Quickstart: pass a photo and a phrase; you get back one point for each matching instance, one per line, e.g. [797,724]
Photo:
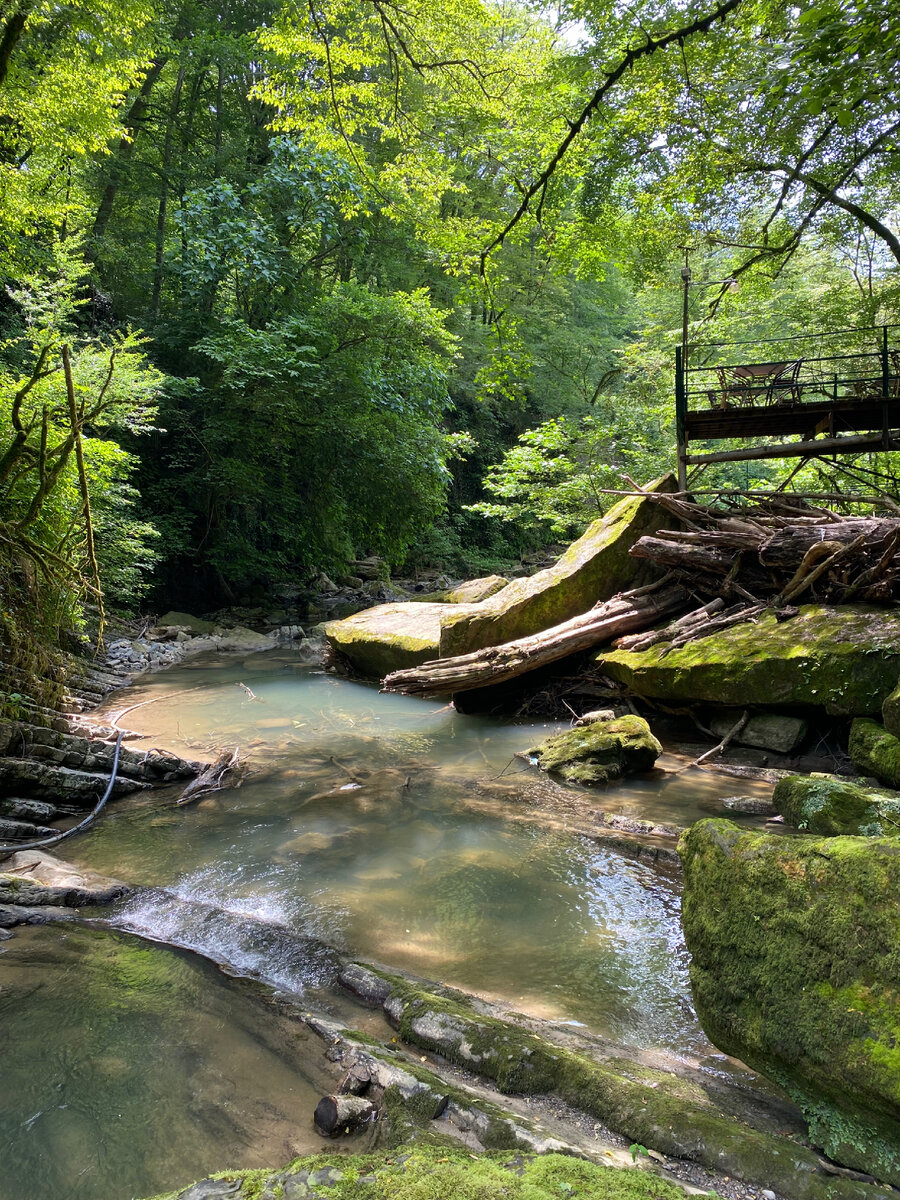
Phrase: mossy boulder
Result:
[890,712]
[795,968]
[389,637]
[833,807]
[845,659]
[473,591]
[874,751]
[655,1108]
[600,752]
[594,568]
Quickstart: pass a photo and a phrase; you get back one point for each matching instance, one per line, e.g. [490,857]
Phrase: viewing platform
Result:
[832,393]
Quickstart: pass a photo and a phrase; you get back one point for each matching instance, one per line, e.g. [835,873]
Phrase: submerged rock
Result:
[831,807]
[593,568]
[874,751]
[845,659]
[794,969]
[601,751]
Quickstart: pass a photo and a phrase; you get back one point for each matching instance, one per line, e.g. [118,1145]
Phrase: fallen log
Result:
[336,1115]
[787,547]
[626,613]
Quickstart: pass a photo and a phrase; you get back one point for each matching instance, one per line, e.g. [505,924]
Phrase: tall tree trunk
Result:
[9,39]
[126,147]
[164,193]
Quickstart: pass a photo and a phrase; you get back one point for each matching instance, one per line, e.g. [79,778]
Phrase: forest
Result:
[287,285]
[449,579]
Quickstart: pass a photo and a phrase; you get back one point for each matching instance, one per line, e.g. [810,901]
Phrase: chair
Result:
[783,384]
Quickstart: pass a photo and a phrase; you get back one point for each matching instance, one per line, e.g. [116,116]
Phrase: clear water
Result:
[391,828]
[388,827]
[130,1069]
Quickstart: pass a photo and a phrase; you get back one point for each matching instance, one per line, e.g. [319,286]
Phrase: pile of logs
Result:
[722,567]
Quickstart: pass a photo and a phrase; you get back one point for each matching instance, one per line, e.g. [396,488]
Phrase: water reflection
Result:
[385,825]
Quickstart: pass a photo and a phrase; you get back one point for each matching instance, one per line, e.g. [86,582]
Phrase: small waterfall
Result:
[251,936]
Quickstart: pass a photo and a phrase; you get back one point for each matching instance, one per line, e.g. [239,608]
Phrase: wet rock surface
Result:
[830,806]
[794,945]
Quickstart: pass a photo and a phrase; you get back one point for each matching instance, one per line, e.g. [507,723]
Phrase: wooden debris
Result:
[336,1115]
[624,613]
[225,772]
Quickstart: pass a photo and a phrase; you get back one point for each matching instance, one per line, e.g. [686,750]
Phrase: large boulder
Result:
[473,591]
[795,969]
[594,568]
[845,659]
[829,806]
[600,752]
[389,637]
[874,751]
[890,712]
[180,620]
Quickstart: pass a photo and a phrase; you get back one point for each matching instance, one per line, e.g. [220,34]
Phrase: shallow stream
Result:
[388,827]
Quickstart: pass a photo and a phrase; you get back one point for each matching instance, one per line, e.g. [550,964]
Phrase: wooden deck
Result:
[828,417]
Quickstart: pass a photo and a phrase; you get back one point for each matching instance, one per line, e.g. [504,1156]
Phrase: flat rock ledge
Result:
[36,888]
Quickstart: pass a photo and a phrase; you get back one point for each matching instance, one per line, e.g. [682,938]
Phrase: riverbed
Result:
[387,827]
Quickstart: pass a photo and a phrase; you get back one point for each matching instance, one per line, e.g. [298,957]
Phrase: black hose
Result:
[8,849]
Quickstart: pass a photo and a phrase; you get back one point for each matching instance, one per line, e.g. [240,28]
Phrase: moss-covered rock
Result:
[795,947]
[389,637]
[593,568]
[833,807]
[651,1107]
[845,659]
[473,591]
[434,1173]
[890,712]
[601,751]
[874,751]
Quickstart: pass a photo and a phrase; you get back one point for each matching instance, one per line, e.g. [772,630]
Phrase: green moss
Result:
[795,947]
[453,1173]
[874,751]
[845,659]
[649,1107]
[600,752]
[831,807]
[388,637]
[593,568]
[890,712]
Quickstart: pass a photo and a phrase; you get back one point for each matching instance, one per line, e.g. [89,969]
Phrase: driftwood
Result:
[336,1115]
[224,772]
[625,613]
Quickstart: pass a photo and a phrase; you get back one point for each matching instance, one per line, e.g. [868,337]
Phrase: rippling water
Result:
[387,827]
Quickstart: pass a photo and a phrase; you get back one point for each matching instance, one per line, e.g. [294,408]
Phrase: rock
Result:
[10,828]
[874,751]
[601,751]
[364,984]
[12,915]
[750,804]
[353,582]
[473,591]
[766,731]
[593,568]
[793,945]
[28,810]
[185,621]
[389,637]
[890,712]
[33,877]
[45,780]
[829,806]
[212,1189]
[243,639]
[845,659]
[325,585]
